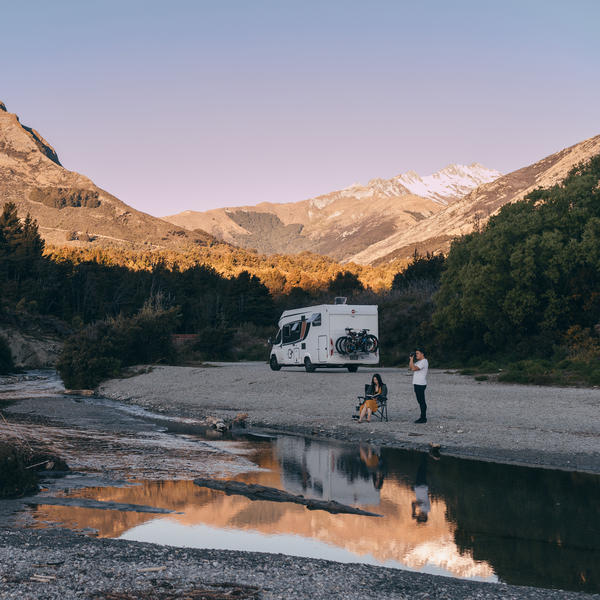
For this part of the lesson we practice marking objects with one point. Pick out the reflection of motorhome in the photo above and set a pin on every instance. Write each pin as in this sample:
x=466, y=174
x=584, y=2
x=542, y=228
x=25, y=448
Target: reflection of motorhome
x=307, y=337
x=325, y=471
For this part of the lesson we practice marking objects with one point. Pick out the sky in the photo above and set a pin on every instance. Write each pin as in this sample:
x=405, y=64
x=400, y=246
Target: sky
x=200, y=104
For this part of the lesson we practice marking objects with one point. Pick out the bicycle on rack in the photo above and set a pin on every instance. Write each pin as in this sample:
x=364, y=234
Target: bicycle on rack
x=355, y=342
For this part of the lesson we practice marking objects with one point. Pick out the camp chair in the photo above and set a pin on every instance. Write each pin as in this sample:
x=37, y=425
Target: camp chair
x=381, y=412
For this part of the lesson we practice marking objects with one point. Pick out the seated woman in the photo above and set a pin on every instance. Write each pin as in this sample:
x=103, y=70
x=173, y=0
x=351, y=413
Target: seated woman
x=369, y=406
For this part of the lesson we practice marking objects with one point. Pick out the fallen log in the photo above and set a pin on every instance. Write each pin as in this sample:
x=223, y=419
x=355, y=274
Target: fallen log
x=255, y=491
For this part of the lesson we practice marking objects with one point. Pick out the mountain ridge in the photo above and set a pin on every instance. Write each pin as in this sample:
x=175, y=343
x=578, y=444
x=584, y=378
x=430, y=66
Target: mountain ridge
x=342, y=222
x=479, y=205
x=69, y=208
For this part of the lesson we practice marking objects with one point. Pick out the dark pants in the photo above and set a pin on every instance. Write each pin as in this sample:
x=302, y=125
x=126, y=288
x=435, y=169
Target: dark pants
x=420, y=394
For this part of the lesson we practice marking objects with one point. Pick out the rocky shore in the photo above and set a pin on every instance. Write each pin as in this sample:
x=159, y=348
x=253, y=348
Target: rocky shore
x=60, y=565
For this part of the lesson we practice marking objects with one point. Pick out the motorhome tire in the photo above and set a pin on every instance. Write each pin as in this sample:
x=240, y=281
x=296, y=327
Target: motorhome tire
x=310, y=368
x=352, y=368
x=275, y=366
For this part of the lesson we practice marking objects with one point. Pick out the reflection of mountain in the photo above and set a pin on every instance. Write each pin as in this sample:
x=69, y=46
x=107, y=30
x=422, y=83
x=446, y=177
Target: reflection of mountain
x=533, y=527
x=328, y=470
x=396, y=537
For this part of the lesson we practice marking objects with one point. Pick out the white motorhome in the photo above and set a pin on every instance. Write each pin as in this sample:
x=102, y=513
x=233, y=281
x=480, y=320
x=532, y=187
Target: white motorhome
x=310, y=337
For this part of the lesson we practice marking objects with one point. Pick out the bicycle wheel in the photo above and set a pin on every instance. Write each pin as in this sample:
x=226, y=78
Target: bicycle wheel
x=372, y=343
x=340, y=345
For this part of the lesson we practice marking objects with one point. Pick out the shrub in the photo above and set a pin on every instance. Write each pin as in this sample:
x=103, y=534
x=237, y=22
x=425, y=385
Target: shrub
x=6, y=360
x=15, y=478
x=214, y=343
x=102, y=349
x=66, y=197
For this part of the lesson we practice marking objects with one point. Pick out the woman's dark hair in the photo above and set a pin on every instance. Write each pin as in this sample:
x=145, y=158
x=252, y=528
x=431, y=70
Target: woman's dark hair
x=378, y=377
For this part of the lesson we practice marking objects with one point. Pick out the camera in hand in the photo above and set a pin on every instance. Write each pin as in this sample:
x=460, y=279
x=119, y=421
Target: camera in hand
x=413, y=355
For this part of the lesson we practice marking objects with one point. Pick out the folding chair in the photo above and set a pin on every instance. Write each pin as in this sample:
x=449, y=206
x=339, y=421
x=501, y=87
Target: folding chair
x=381, y=412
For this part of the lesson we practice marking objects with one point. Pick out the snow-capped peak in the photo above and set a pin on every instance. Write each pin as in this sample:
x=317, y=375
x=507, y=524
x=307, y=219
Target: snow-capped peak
x=450, y=183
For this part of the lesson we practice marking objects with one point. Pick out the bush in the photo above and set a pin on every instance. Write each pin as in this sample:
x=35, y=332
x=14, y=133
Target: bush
x=214, y=343
x=102, y=349
x=6, y=360
x=15, y=478
x=250, y=342
x=66, y=197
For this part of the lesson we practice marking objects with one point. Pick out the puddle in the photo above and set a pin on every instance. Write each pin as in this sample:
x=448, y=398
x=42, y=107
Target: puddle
x=450, y=517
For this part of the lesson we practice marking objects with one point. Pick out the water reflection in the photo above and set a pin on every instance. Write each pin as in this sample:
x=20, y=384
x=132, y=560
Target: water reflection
x=448, y=516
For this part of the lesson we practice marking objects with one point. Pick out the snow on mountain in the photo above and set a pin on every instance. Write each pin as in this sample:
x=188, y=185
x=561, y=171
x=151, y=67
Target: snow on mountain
x=452, y=182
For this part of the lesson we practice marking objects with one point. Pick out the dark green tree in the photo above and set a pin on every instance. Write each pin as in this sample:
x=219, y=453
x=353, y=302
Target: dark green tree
x=345, y=283
x=534, y=271
x=421, y=270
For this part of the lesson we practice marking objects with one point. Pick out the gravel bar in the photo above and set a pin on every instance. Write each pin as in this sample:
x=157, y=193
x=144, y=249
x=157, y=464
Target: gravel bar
x=528, y=425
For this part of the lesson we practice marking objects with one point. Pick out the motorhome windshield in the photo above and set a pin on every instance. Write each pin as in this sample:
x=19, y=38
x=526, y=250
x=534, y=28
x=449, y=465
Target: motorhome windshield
x=295, y=331
x=315, y=319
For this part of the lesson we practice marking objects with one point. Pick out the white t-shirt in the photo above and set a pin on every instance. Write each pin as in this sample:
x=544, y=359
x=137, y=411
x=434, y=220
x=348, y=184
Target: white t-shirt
x=422, y=495
x=420, y=376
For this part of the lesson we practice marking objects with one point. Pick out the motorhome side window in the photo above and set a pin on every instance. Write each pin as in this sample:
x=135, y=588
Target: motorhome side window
x=291, y=332
x=277, y=339
x=315, y=319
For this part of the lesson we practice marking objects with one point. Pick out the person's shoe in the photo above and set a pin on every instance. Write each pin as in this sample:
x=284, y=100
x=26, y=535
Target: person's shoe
x=421, y=420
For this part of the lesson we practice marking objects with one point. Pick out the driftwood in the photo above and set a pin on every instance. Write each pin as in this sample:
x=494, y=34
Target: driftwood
x=255, y=491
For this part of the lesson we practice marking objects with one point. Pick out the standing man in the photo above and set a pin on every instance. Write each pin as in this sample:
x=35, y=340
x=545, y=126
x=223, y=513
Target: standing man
x=419, y=370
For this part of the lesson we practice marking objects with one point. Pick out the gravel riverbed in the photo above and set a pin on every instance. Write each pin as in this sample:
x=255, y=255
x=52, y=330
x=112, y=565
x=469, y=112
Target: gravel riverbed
x=529, y=425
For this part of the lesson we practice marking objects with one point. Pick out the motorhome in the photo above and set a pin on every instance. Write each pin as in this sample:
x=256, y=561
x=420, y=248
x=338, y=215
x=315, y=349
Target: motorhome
x=327, y=335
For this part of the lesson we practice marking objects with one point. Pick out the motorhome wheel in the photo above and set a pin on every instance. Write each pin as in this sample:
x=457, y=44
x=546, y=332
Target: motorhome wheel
x=310, y=368
x=275, y=366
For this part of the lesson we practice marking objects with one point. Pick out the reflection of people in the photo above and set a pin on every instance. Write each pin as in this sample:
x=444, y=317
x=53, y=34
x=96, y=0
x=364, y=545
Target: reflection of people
x=369, y=406
x=419, y=369
x=421, y=505
x=373, y=461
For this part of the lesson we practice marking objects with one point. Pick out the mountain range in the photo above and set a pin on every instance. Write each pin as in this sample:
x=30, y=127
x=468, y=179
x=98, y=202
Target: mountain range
x=387, y=219
x=342, y=223
x=376, y=223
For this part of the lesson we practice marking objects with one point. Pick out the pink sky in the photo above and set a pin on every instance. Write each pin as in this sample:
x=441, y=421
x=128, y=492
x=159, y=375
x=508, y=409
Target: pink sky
x=197, y=104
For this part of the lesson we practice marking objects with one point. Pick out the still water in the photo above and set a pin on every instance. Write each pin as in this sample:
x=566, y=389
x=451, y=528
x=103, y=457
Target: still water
x=443, y=516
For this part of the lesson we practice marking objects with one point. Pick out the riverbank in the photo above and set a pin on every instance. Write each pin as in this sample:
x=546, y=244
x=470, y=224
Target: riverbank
x=529, y=425
x=57, y=563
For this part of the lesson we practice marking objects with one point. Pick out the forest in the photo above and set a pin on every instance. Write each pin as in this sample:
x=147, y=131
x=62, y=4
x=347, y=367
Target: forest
x=518, y=299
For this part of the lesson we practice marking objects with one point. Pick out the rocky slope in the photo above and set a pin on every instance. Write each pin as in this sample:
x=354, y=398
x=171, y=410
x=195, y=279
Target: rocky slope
x=70, y=208
x=344, y=222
